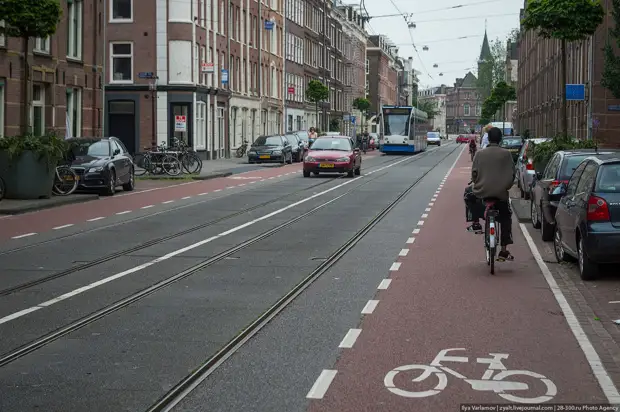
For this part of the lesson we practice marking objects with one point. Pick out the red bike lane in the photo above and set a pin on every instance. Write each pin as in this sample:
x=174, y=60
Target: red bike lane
x=442, y=331
x=30, y=224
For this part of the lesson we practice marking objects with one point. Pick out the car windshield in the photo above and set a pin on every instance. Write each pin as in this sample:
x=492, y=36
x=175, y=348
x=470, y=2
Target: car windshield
x=303, y=135
x=570, y=164
x=510, y=142
x=268, y=141
x=396, y=124
x=609, y=178
x=93, y=148
x=332, y=144
x=292, y=138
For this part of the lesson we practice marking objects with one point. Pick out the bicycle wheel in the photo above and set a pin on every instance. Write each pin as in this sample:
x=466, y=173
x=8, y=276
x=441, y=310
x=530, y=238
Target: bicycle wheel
x=142, y=164
x=492, y=246
x=191, y=163
x=2, y=189
x=171, y=165
x=65, y=182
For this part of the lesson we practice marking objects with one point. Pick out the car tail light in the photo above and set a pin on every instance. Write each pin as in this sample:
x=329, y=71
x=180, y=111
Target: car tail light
x=492, y=231
x=555, y=184
x=529, y=165
x=597, y=209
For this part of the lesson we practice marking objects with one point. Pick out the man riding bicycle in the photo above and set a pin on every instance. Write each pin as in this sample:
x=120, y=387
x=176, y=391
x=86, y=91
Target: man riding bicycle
x=472, y=148
x=492, y=174
x=365, y=139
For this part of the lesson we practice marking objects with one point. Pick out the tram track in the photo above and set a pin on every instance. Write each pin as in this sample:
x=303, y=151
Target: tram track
x=94, y=316
x=175, y=395
x=26, y=285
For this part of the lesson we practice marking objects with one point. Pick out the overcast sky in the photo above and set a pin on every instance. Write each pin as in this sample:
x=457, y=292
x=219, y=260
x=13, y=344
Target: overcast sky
x=439, y=26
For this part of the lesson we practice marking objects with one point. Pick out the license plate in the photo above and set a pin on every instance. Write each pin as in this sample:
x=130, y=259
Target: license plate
x=514, y=150
x=70, y=178
x=327, y=165
x=264, y=156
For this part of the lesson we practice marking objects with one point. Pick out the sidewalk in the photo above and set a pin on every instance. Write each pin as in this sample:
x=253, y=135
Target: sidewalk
x=442, y=302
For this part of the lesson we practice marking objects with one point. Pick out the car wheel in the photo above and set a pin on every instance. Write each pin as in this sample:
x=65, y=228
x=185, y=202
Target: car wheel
x=534, y=215
x=546, y=227
x=306, y=174
x=111, y=189
x=560, y=254
x=587, y=269
x=131, y=184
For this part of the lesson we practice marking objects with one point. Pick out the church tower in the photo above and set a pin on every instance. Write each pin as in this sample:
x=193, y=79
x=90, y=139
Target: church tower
x=485, y=67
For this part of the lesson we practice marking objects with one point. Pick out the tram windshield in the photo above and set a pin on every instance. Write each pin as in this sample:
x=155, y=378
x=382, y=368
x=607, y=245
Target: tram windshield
x=396, y=124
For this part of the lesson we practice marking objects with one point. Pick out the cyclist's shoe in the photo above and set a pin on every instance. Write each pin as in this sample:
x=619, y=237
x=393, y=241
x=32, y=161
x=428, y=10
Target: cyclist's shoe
x=475, y=228
x=504, y=256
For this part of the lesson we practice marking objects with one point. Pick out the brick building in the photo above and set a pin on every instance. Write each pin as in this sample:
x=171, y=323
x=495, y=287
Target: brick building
x=463, y=105
x=295, y=71
x=539, y=87
x=65, y=74
x=382, y=73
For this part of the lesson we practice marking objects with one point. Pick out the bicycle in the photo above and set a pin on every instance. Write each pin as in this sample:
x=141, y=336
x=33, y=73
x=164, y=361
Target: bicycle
x=489, y=382
x=190, y=160
x=66, y=181
x=2, y=189
x=472, y=153
x=157, y=160
x=491, y=232
x=240, y=151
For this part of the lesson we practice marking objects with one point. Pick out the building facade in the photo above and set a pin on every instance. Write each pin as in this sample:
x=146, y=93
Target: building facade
x=512, y=76
x=65, y=77
x=463, y=105
x=382, y=73
x=437, y=95
x=333, y=71
x=295, y=88
x=539, y=87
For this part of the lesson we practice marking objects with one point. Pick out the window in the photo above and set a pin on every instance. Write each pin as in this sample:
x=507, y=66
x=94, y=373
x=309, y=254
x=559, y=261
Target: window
x=74, y=111
x=121, y=11
x=1, y=108
x=42, y=45
x=466, y=109
x=37, y=112
x=74, y=29
x=2, y=38
x=121, y=61
x=201, y=130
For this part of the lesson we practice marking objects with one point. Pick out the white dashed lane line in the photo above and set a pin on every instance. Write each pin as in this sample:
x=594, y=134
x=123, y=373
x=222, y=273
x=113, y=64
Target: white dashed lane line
x=410, y=240
x=124, y=213
x=95, y=219
x=395, y=266
x=63, y=226
x=167, y=201
x=403, y=252
x=322, y=383
x=147, y=207
x=385, y=283
x=370, y=307
x=416, y=231
x=23, y=236
x=349, y=339
x=186, y=197
x=420, y=223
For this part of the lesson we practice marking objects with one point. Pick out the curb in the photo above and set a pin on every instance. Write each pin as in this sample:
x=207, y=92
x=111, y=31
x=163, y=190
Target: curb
x=47, y=204
x=182, y=177
x=521, y=209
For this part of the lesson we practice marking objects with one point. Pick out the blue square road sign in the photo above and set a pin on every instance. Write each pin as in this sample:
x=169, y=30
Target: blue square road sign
x=576, y=92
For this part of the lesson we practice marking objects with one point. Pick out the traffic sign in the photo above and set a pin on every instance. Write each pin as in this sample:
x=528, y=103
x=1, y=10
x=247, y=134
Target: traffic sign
x=346, y=117
x=180, y=123
x=353, y=119
x=224, y=76
x=146, y=75
x=291, y=90
x=269, y=25
x=208, y=67
x=575, y=92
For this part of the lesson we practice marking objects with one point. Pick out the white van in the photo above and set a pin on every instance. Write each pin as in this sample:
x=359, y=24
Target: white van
x=433, y=138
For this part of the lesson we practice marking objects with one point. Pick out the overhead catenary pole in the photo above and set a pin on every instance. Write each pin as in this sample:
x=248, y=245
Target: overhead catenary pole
x=590, y=78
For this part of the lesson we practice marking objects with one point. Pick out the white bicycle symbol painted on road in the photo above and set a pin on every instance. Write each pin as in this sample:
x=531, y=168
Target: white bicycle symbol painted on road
x=490, y=382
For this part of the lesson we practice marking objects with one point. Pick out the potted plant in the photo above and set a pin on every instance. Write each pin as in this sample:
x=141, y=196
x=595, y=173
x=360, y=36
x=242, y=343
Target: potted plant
x=28, y=164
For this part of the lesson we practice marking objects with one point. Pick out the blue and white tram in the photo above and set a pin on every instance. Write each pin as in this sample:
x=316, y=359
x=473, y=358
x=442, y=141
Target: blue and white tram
x=402, y=129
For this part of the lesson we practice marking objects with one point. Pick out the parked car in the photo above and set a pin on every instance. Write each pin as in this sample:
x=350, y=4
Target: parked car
x=433, y=138
x=513, y=144
x=334, y=154
x=462, y=139
x=297, y=145
x=588, y=215
x=544, y=198
x=271, y=149
x=102, y=164
x=304, y=136
x=524, y=169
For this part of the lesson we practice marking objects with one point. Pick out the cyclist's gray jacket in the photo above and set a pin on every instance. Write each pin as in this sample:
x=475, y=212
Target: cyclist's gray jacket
x=492, y=172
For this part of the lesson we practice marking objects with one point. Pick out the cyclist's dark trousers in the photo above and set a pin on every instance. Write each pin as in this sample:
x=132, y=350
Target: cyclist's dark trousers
x=474, y=208
x=505, y=221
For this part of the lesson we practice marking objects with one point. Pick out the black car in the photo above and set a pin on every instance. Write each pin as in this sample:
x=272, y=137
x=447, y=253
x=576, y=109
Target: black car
x=102, y=164
x=297, y=145
x=513, y=144
x=588, y=215
x=271, y=149
x=544, y=200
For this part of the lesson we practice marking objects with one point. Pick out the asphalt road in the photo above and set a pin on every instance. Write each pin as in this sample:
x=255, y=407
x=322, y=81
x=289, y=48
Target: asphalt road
x=77, y=261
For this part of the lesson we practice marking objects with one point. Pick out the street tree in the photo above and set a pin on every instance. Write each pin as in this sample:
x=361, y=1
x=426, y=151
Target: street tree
x=567, y=21
x=317, y=92
x=362, y=104
x=611, y=68
x=491, y=67
x=26, y=19
x=500, y=95
x=428, y=106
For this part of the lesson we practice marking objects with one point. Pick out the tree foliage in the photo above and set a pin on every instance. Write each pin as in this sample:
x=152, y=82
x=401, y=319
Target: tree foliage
x=567, y=21
x=317, y=91
x=492, y=69
x=362, y=104
x=501, y=93
x=611, y=68
x=30, y=18
x=428, y=106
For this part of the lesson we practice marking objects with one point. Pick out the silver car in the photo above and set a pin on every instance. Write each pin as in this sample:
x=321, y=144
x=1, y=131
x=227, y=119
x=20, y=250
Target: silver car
x=525, y=168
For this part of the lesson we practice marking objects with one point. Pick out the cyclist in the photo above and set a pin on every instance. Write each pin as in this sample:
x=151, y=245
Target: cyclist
x=492, y=174
x=472, y=147
x=365, y=139
x=474, y=210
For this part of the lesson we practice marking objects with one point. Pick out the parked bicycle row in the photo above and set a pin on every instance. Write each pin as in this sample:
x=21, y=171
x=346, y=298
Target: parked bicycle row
x=171, y=161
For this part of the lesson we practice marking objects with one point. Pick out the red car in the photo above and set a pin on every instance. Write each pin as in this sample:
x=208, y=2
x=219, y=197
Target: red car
x=333, y=154
x=462, y=139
